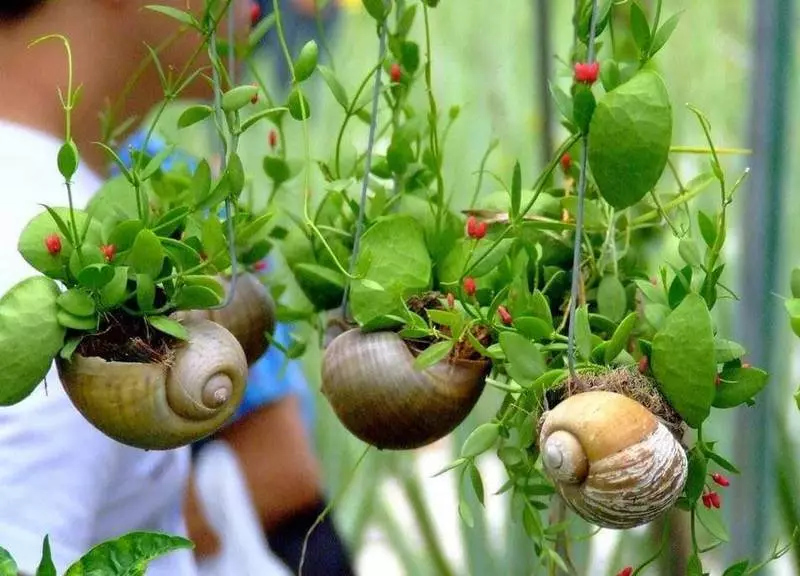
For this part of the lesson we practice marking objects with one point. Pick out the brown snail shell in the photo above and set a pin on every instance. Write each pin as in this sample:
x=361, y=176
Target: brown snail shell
x=615, y=464
x=160, y=406
x=371, y=384
x=249, y=316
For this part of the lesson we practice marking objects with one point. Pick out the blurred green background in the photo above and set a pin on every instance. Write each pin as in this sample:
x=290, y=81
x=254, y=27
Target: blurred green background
x=397, y=518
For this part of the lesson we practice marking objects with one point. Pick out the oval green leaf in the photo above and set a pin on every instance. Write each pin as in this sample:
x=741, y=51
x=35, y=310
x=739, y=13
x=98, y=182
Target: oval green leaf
x=169, y=326
x=739, y=385
x=76, y=302
x=128, y=554
x=146, y=255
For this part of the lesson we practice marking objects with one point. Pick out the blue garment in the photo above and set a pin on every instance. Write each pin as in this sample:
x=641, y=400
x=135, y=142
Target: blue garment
x=272, y=377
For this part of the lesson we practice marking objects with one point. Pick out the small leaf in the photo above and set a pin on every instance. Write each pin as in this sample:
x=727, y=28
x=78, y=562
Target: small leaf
x=334, y=86
x=145, y=292
x=201, y=182
x=378, y=9
x=696, y=476
x=694, y=567
x=68, y=320
x=124, y=555
x=483, y=438
x=194, y=114
x=68, y=160
x=477, y=482
x=306, y=62
x=124, y=234
x=523, y=357
x=154, y=165
x=583, y=107
x=69, y=348
x=235, y=174
x=738, y=569
x=196, y=298
x=620, y=337
x=298, y=105
x=708, y=229
x=611, y=298
x=583, y=333
x=795, y=283
x=516, y=191
x=738, y=385
x=76, y=302
x=169, y=326
x=727, y=350
x=533, y=328
x=95, y=276
x=178, y=15
x=640, y=28
x=664, y=32
x=433, y=354
x=46, y=565
x=238, y=97
x=463, y=508
x=146, y=255
x=711, y=519
x=277, y=169
x=7, y=565
x=116, y=291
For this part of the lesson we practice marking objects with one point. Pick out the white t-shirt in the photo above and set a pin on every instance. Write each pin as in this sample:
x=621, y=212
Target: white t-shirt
x=58, y=474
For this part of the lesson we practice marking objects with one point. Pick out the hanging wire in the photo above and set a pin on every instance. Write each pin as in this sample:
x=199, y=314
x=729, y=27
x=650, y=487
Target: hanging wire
x=368, y=164
x=576, y=256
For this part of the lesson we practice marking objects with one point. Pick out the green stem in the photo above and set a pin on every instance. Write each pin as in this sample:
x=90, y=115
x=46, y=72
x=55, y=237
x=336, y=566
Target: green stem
x=492, y=145
x=349, y=113
x=433, y=120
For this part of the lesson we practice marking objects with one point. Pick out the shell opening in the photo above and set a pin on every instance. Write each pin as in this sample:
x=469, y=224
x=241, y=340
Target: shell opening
x=564, y=459
x=217, y=391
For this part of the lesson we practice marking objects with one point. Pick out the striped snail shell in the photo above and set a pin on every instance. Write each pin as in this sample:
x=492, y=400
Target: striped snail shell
x=371, y=383
x=165, y=405
x=614, y=463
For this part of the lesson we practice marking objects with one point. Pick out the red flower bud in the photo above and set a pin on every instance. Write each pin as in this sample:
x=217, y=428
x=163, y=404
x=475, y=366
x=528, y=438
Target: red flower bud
x=475, y=229
x=720, y=479
x=586, y=73
x=109, y=251
x=566, y=162
x=451, y=300
x=53, y=244
x=644, y=365
x=273, y=139
x=260, y=265
x=707, y=500
x=713, y=497
x=255, y=13
x=469, y=286
x=395, y=73
x=505, y=317
x=627, y=571
x=254, y=99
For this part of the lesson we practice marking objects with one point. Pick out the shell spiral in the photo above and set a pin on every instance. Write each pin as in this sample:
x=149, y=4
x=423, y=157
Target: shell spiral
x=160, y=406
x=612, y=460
x=371, y=384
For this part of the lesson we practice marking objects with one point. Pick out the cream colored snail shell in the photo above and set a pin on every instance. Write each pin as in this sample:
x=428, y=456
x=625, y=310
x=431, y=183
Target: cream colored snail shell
x=371, y=384
x=249, y=316
x=615, y=464
x=160, y=406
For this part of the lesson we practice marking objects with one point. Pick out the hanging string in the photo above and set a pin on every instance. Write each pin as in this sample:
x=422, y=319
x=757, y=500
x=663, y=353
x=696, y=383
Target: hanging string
x=367, y=165
x=576, y=256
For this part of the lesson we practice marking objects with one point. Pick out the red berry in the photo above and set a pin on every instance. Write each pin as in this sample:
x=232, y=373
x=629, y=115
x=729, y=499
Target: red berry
x=109, y=251
x=720, y=479
x=707, y=500
x=627, y=571
x=644, y=364
x=586, y=73
x=469, y=286
x=395, y=73
x=255, y=13
x=713, y=497
x=566, y=162
x=475, y=229
x=273, y=139
x=53, y=244
x=505, y=317
x=451, y=300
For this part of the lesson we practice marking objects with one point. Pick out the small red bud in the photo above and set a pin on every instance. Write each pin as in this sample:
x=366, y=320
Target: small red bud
x=720, y=479
x=707, y=500
x=627, y=571
x=395, y=73
x=451, y=300
x=254, y=99
x=273, y=139
x=469, y=286
x=713, y=497
x=566, y=162
x=505, y=317
x=586, y=73
x=255, y=13
x=475, y=229
x=53, y=244
x=109, y=251
x=260, y=266
x=644, y=365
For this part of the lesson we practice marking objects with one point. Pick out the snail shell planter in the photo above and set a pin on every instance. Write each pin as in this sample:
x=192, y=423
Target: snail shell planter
x=250, y=316
x=166, y=404
x=376, y=392
x=615, y=463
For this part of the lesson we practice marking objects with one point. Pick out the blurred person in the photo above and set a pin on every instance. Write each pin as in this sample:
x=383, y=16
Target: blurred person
x=60, y=476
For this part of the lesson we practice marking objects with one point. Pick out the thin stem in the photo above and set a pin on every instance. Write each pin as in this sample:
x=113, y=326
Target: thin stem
x=492, y=145
x=348, y=115
x=702, y=150
x=433, y=121
x=367, y=166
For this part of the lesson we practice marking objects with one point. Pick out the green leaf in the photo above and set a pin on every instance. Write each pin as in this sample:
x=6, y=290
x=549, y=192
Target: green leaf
x=169, y=326
x=696, y=475
x=69, y=348
x=711, y=519
x=298, y=105
x=690, y=253
x=95, y=276
x=272, y=113
x=277, y=169
x=146, y=255
x=795, y=283
x=194, y=114
x=30, y=336
x=68, y=320
x=631, y=132
x=124, y=234
x=235, y=174
x=533, y=328
x=477, y=482
x=7, y=565
x=77, y=302
x=727, y=350
x=738, y=569
x=306, y=61
x=196, y=298
x=738, y=385
x=694, y=567
x=334, y=86
x=640, y=28
x=238, y=97
x=612, y=301
x=215, y=244
x=792, y=306
x=46, y=565
x=323, y=286
x=583, y=107
x=609, y=74
x=68, y=160
x=179, y=15
x=620, y=337
x=154, y=165
x=145, y=292
x=127, y=554
x=524, y=360
x=664, y=32
x=463, y=508
x=200, y=185
x=378, y=9
x=115, y=292
x=516, y=191
x=480, y=440
x=393, y=253
x=433, y=354
x=683, y=360
x=583, y=333
x=708, y=229
x=722, y=462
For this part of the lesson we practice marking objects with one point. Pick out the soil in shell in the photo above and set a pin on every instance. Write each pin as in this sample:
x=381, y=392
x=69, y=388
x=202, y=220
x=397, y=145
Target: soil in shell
x=125, y=338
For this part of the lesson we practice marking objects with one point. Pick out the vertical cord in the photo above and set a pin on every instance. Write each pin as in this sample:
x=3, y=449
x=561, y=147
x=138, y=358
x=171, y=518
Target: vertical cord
x=576, y=256
x=368, y=164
